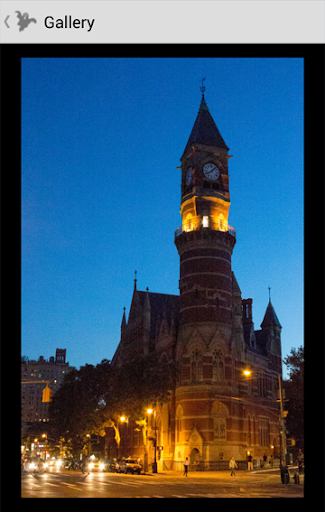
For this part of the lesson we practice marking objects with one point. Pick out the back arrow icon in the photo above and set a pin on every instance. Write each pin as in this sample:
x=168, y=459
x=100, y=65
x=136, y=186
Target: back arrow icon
x=7, y=20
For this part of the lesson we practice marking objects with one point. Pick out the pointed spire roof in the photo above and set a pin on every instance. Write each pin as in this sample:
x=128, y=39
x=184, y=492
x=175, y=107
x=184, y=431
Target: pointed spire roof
x=123, y=324
x=270, y=317
x=205, y=130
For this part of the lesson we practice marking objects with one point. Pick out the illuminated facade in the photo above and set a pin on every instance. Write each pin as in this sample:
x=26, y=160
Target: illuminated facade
x=216, y=412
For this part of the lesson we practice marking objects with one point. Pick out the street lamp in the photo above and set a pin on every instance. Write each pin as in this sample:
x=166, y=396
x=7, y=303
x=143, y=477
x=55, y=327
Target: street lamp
x=283, y=441
x=154, y=465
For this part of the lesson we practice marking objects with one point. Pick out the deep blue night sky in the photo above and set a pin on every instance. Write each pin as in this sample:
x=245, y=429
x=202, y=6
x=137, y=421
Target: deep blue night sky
x=101, y=140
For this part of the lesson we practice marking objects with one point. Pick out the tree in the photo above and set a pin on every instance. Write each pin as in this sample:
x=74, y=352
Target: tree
x=93, y=399
x=73, y=411
x=294, y=388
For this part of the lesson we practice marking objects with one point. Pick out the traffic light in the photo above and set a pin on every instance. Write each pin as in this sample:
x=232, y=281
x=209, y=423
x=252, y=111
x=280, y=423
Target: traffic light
x=47, y=394
x=291, y=442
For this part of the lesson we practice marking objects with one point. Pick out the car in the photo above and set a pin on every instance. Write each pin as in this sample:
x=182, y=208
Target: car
x=129, y=466
x=35, y=465
x=95, y=465
x=110, y=465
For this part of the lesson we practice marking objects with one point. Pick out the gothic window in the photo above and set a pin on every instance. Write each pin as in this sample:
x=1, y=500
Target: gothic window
x=179, y=418
x=193, y=371
x=264, y=432
x=262, y=385
x=200, y=371
x=196, y=366
x=219, y=413
x=218, y=373
x=254, y=430
x=249, y=436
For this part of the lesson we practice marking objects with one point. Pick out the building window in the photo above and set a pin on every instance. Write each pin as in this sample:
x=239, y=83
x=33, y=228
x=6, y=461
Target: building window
x=205, y=221
x=196, y=366
x=179, y=417
x=218, y=372
x=264, y=432
x=219, y=428
x=262, y=385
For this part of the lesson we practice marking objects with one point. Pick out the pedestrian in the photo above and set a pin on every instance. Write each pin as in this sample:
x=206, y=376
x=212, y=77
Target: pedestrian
x=83, y=465
x=300, y=460
x=250, y=462
x=186, y=464
x=232, y=466
x=264, y=460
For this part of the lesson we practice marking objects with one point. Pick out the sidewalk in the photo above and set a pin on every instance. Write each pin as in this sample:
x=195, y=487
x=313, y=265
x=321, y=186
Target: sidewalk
x=240, y=474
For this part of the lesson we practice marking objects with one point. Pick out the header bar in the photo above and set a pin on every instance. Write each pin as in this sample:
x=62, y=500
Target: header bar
x=132, y=21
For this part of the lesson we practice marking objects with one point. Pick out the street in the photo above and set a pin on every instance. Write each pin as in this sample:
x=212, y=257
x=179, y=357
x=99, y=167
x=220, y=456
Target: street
x=219, y=484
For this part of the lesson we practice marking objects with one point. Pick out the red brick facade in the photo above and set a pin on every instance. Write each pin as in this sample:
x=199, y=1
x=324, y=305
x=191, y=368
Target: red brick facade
x=215, y=412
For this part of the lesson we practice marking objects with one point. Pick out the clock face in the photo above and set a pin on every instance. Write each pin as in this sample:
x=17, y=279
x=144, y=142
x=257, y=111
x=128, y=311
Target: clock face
x=211, y=171
x=188, y=178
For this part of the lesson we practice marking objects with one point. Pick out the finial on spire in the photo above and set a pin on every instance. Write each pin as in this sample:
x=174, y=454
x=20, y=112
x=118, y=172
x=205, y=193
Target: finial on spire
x=135, y=280
x=202, y=88
x=269, y=288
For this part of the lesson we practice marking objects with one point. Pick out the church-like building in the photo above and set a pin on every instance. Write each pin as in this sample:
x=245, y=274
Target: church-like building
x=215, y=411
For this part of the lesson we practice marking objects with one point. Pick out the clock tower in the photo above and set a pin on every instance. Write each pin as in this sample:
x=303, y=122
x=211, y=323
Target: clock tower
x=210, y=341
x=205, y=240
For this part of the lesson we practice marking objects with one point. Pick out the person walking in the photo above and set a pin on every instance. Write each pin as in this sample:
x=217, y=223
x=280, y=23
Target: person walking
x=186, y=464
x=83, y=465
x=232, y=466
x=250, y=462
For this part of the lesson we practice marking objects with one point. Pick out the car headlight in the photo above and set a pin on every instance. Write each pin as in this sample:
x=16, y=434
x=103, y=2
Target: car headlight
x=32, y=465
x=45, y=465
x=58, y=463
x=91, y=465
x=101, y=466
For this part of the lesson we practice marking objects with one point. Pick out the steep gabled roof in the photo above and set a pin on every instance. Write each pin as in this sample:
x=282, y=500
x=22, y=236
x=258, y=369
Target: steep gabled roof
x=205, y=130
x=270, y=317
x=161, y=304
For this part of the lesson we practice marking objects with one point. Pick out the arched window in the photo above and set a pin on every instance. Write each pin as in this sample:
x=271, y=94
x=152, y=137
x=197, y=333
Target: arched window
x=188, y=223
x=218, y=372
x=179, y=419
x=196, y=366
x=219, y=414
x=193, y=371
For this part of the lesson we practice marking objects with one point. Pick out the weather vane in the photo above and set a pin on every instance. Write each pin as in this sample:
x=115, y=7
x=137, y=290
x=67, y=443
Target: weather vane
x=202, y=88
x=269, y=288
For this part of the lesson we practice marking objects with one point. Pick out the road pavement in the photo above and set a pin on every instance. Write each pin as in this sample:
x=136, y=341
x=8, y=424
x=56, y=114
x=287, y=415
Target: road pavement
x=218, y=484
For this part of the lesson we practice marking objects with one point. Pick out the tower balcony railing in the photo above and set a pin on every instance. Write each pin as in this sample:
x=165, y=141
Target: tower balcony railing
x=205, y=223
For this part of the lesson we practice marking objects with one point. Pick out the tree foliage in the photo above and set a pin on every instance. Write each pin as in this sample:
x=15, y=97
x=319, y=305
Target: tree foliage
x=93, y=398
x=294, y=388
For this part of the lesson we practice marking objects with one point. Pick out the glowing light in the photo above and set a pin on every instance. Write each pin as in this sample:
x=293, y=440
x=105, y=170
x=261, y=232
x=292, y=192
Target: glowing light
x=247, y=372
x=205, y=221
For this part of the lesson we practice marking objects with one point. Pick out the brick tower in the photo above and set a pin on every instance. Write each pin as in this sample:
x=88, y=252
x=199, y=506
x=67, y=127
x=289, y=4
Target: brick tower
x=215, y=411
x=210, y=338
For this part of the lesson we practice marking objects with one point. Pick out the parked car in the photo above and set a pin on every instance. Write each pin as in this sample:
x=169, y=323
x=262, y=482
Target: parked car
x=110, y=465
x=129, y=466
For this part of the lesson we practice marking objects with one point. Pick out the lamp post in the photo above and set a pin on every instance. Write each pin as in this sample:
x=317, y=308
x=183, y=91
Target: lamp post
x=283, y=441
x=154, y=465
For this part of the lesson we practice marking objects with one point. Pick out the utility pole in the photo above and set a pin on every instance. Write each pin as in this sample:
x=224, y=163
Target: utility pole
x=283, y=439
